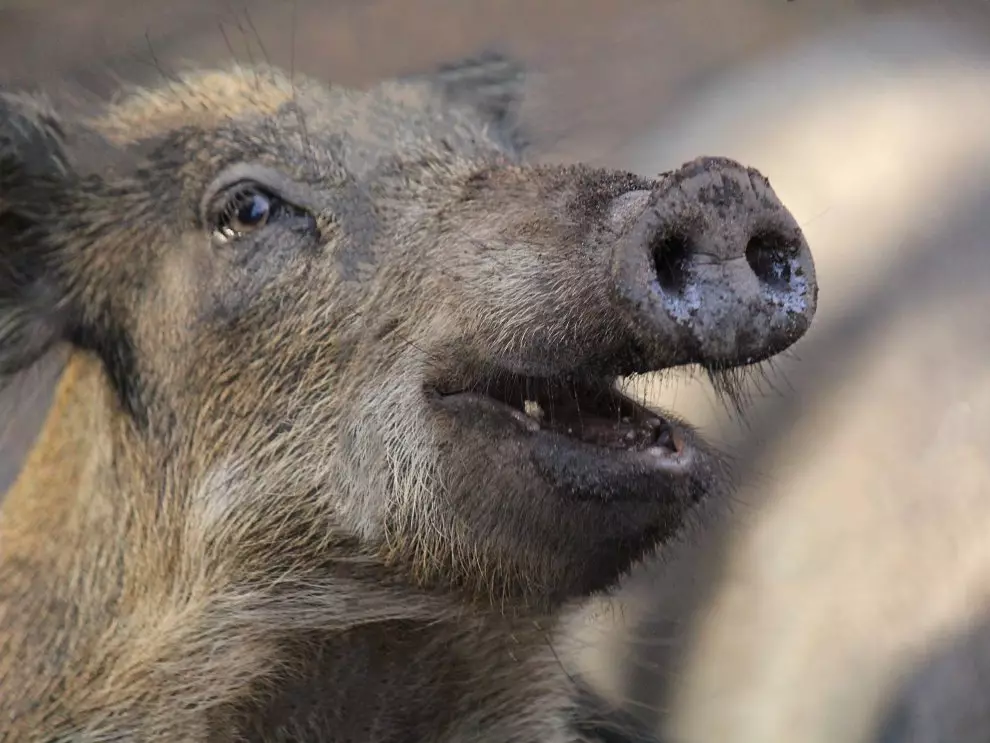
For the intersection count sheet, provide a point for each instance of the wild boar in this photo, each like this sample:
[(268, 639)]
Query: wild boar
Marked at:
[(339, 439)]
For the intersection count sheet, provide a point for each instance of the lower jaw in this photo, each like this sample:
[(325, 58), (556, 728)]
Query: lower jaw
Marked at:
[(560, 519)]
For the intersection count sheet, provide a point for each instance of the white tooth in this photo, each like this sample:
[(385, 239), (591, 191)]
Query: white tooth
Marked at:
[(528, 423), (533, 409)]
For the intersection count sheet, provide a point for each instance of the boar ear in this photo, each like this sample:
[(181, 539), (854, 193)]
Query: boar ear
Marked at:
[(36, 180), (492, 82)]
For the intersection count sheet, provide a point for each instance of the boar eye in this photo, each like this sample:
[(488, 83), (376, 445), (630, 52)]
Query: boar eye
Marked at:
[(244, 209)]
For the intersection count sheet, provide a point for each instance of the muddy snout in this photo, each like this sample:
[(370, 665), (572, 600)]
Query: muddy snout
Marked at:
[(711, 268)]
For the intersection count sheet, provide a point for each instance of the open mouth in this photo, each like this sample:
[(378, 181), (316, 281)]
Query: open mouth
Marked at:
[(589, 412)]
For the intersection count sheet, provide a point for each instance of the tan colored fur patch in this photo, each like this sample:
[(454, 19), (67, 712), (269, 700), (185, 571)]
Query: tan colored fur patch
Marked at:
[(199, 98)]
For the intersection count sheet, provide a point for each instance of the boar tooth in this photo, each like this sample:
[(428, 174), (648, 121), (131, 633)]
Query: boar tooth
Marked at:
[(533, 410), (528, 423)]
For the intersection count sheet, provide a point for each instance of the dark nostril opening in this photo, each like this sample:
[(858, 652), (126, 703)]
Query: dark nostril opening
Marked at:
[(769, 254), (671, 253)]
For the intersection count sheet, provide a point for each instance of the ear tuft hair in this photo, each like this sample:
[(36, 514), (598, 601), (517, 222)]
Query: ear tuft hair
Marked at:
[(35, 175), (493, 83)]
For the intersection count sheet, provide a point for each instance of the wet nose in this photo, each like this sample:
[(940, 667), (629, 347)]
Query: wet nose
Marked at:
[(713, 269)]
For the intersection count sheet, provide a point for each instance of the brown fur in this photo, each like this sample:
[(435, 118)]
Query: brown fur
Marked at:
[(243, 520)]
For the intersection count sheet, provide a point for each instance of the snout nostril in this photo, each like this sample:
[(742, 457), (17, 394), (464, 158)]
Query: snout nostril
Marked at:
[(671, 253), (769, 254)]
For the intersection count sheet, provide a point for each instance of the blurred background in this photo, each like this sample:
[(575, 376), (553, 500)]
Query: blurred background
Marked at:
[(855, 558)]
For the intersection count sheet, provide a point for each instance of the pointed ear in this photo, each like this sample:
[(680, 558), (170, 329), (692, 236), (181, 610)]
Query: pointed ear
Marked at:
[(493, 83), (36, 181)]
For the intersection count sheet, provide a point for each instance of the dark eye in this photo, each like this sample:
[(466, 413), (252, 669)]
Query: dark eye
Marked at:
[(244, 210)]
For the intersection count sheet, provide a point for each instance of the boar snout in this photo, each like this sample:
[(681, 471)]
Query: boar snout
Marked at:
[(711, 268)]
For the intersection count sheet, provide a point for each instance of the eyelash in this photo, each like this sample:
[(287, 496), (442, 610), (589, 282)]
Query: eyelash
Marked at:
[(246, 208)]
